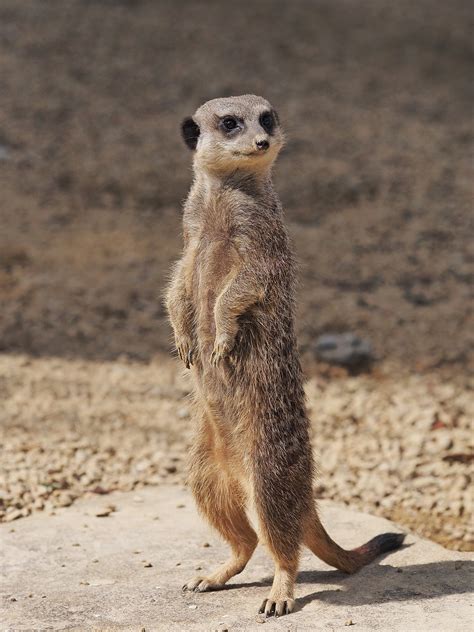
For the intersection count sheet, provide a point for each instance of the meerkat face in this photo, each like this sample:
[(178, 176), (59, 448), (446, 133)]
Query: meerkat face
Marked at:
[(234, 133)]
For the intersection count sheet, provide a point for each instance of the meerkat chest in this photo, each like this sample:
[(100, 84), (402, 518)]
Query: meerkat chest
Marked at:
[(215, 263), (215, 248)]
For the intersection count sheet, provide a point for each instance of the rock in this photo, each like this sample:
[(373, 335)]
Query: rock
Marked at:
[(105, 511), (65, 500), (345, 349), (4, 153), (13, 515)]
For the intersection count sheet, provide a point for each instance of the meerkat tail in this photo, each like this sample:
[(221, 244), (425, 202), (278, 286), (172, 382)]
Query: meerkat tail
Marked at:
[(323, 546)]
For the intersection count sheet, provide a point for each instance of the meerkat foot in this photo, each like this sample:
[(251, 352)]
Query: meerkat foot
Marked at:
[(276, 607), (281, 600), (216, 580), (202, 584), (222, 348)]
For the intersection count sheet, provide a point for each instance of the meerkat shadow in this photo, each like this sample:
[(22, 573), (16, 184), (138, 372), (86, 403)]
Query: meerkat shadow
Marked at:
[(265, 581), (377, 583), (307, 577)]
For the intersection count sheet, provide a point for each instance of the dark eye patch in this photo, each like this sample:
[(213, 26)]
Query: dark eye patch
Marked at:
[(268, 122)]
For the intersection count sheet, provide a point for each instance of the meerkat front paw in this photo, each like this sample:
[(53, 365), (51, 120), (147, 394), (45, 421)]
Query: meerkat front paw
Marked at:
[(185, 350), (223, 346)]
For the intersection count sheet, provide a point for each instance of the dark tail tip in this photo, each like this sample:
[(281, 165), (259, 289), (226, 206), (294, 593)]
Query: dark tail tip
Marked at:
[(382, 543)]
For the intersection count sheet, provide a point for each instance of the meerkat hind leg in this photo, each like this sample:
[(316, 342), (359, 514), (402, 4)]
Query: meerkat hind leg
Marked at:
[(222, 502)]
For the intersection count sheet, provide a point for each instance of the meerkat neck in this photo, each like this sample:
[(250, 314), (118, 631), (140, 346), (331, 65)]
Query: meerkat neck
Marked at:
[(254, 183)]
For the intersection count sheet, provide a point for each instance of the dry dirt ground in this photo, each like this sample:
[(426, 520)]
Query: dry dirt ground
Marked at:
[(376, 180)]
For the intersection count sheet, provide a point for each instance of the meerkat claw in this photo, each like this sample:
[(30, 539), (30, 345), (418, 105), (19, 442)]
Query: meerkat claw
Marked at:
[(185, 353), (278, 608), (222, 349), (200, 585), (192, 585), (188, 360), (216, 357)]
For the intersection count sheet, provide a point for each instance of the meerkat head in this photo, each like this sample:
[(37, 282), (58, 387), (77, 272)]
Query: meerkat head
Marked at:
[(234, 133)]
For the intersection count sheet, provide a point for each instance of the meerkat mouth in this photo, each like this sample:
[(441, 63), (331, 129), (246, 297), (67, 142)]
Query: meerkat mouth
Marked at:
[(250, 153)]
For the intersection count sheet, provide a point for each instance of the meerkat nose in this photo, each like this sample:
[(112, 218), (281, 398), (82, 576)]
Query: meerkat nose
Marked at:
[(262, 145)]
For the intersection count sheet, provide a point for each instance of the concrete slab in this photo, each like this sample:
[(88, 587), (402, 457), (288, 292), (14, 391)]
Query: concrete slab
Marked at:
[(77, 571)]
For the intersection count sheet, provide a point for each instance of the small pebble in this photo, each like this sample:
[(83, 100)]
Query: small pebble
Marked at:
[(105, 511)]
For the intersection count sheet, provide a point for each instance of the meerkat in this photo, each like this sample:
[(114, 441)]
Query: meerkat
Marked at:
[(231, 305)]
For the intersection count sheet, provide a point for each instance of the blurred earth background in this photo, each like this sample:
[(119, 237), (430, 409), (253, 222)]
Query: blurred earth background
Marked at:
[(376, 179)]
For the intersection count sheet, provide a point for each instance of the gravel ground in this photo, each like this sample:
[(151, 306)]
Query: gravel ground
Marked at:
[(390, 443)]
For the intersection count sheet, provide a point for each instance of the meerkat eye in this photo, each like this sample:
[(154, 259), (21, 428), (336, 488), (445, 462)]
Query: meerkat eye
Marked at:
[(267, 122), (229, 123)]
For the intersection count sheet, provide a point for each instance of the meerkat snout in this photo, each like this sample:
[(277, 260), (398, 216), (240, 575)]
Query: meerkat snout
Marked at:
[(262, 144)]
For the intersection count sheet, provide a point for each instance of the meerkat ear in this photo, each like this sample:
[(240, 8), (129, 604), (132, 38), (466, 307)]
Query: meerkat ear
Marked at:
[(190, 131)]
